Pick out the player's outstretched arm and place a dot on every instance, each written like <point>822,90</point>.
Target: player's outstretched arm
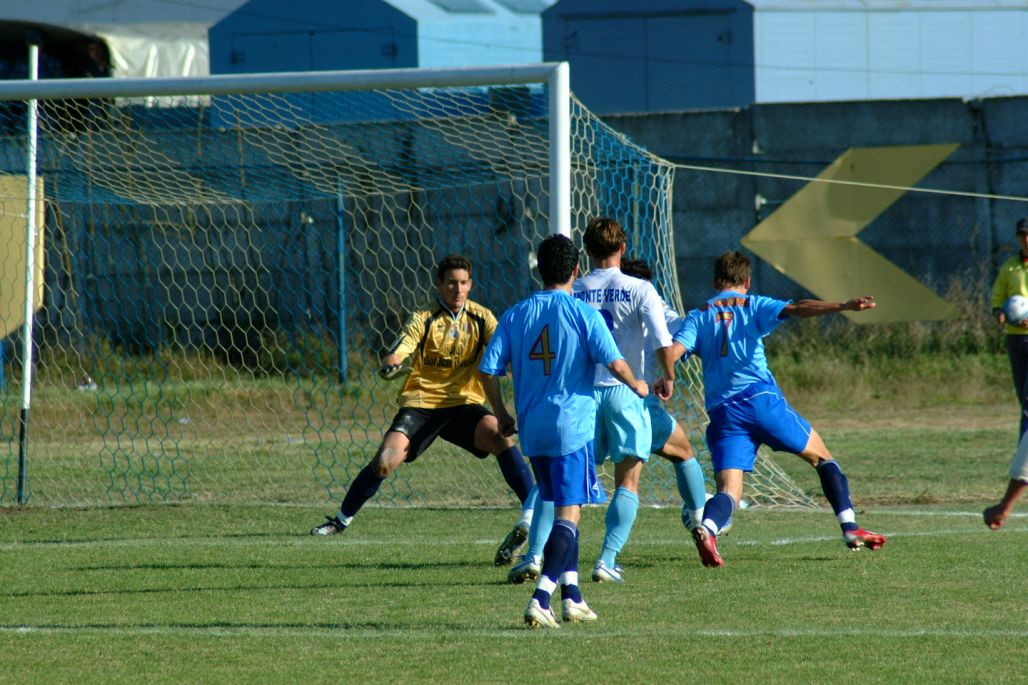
<point>491,385</point>
<point>623,372</point>
<point>665,386</point>
<point>804,309</point>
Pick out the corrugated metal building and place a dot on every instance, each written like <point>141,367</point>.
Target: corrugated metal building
<point>667,55</point>
<point>885,49</point>
<point>262,36</point>
<point>653,55</point>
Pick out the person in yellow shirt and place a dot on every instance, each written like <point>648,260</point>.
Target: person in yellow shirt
<point>1013,280</point>
<point>442,397</point>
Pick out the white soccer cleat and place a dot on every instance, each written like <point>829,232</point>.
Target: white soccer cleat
<point>575,612</point>
<point>537,617</point>
<point>527,568</point>
<point>605,574</point>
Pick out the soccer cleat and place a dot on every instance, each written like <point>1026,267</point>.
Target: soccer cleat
<point>330,527</point>
<point>855,539</point>
<point>686,518</point>
<point>537,617</point>
<point>605,574</point>
<point>527,568</point>
<point>706,545</point>
<point>575,612</point>
<point>511,544</point>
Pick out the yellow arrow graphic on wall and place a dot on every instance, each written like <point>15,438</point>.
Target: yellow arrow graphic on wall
<point>812,237</point>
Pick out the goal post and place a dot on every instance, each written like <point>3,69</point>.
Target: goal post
<point>228,257</point>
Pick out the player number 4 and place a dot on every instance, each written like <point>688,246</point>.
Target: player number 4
<point>541,350</point>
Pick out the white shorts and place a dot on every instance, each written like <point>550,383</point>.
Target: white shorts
<point>622,424</point>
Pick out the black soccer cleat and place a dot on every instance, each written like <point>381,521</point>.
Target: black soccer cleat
<point>330,527</point>
<point>511,544</point>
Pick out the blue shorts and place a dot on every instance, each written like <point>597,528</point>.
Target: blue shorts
<point>622,424</point>
<point>662,423</point>
<point>569,479</point>
<point>758,415</point>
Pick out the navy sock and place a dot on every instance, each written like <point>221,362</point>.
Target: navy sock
<point>572,591</point>
<point>363,488</point>
<point>834,485</point>
<point>718,511</point>
<point>836,488</point>
<point>562,541</point>
<point>515,472</point>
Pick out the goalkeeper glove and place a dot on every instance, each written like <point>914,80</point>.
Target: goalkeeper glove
<point>391,371</point>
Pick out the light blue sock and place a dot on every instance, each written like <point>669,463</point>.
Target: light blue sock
<point>542,524</point>
<point>620,518</point>
<point>528,506</point>
<point>691,485</point>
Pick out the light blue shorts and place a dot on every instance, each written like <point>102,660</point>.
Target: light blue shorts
<point>758,415</point>
<point>662,423</point>
<point>569,479</point>
<point>622,424</point>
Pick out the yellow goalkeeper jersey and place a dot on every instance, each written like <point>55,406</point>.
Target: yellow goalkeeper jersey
<point>445,350</point>
<point>1012,279</point>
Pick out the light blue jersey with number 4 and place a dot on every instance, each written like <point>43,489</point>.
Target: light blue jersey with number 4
<point>552,342</point>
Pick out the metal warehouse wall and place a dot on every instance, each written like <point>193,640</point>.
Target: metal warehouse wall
<point>941,240</point>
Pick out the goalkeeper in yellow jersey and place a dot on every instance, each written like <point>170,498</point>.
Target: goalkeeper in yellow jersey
<point>442,397</point>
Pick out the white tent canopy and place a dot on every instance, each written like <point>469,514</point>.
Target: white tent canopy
<point>145,37</point>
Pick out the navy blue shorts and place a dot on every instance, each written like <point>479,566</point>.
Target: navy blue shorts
<point>453,424</point>
<point>756,416</point>
<point>569,479</point>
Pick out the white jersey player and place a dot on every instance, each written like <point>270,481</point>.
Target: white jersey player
<point>635,314</point>
<point>668,438</point>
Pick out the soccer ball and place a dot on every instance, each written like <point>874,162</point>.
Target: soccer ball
<point>1016,308</point>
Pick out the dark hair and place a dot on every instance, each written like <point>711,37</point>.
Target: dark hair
<point>558,258</point>
<point>731,268</point>
<point>1022,225</point>
<point>637,267</point>
<point>449,263</point>
<point>603,237</point>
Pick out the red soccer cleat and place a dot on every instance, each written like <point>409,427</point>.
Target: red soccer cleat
<point>855,539</point>
<point>706,545</point>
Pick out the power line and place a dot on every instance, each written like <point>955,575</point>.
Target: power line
<point>862,184</point>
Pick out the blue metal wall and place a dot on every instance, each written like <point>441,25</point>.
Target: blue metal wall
<point>269,36</point>
<point>653,55</point>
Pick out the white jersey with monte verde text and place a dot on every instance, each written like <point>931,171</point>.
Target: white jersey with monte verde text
<point>674,321</point>
<point>634,313</point>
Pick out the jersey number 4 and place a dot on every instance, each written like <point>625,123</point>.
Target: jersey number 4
<point>541,350</point>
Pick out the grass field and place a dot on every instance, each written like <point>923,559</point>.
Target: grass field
<point>242,594</point>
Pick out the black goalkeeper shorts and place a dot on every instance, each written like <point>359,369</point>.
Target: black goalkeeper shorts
<point>453,424</point>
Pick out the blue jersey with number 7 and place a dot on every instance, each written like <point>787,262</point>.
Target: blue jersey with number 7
<point>727,334</point>
<point>552,342</point>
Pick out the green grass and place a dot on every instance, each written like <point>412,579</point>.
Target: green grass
<point>239,595</point>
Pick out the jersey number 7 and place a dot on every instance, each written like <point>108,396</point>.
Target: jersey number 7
<point>725,318</point>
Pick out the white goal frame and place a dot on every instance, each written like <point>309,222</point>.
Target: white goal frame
<point>553,74</point>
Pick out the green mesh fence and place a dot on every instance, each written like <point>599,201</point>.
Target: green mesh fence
<point>222,273</point>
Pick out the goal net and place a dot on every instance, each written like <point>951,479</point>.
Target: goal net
<point>224,261</point>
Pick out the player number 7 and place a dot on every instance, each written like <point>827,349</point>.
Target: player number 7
<point>725,318</point>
